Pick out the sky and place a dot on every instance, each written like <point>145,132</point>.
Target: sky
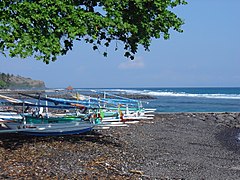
<point>206,54</point>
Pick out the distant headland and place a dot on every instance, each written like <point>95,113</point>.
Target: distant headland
<point>10,81</point>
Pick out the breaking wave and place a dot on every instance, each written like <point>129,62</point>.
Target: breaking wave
<point>181,94</point>
<point>216,96</point>
<point>210,93</point>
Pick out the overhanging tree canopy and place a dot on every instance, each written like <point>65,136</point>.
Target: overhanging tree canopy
<point>46,29</point>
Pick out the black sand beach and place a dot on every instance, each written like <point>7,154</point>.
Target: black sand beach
<point>172,146</point>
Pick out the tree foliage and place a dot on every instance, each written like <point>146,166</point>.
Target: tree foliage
<point>3,85</point>
<point>4,80</point>
<point>46,29</point>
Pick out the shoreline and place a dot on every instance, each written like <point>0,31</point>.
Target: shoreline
<point>171,146</point>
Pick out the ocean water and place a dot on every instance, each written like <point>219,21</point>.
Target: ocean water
<point>185,99</point>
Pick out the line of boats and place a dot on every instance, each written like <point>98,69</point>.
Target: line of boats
<point>41,115</point>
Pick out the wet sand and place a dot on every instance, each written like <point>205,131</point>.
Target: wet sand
<point>172,146</point>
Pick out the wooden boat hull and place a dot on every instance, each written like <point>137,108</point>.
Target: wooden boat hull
<point>55,129</point>
<point>41,120</point>
<point>57,132</point>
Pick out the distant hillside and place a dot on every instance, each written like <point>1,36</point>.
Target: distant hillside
<point>18,82</point>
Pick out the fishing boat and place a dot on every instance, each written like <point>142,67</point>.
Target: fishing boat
<point>49,129</point>
<point>40,123</point>
<point>88,113</point>
<point>118,108</point>
<point>49,119</point>
<point>9,115</point>
<point>37,125</point>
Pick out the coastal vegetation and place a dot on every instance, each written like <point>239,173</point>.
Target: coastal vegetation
<point>10,81</point>
<point>47,29</point>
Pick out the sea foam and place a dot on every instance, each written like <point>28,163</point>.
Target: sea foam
<point>180,94</point>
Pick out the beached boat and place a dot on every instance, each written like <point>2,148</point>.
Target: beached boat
<point>105,105</point>
<point>93,113</point>
<point>50,129</point>
<point>9,115</point>
<point>49,119</point>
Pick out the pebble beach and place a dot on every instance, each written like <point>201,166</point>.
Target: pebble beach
<point>171,146</point>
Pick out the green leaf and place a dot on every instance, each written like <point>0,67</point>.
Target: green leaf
<point>105,54</point>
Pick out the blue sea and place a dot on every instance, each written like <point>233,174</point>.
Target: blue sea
<point>185,99</point>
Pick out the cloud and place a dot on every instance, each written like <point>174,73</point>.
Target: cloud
<point>137,63</point>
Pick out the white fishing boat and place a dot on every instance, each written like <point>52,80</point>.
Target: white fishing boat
<point>8,115</point>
